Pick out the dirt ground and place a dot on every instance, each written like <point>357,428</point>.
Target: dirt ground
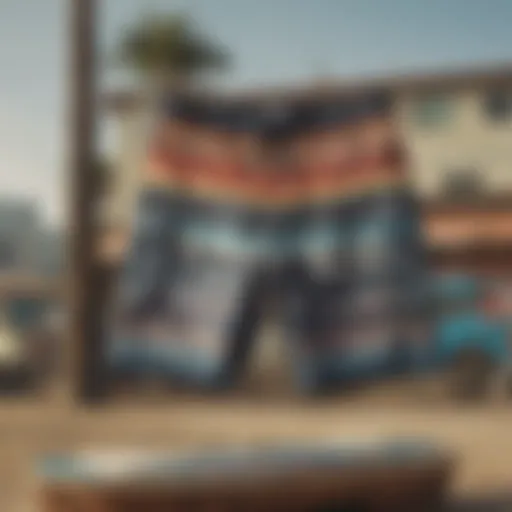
<point>479,436</point>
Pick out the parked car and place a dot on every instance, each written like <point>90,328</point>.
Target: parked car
<point>27,342</point>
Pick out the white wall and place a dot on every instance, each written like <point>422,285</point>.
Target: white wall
<point>468,139</point>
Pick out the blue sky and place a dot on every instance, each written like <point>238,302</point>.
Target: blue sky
<point>272,41</point>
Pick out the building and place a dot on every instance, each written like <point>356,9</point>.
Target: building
<point>27,245</point>
<point>458,130</point>
<point>50,258</point>
<point>18,232</point>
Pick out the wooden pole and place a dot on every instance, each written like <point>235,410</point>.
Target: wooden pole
<point>85,337</point>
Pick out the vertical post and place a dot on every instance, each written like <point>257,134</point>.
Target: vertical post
<point>85,336</point>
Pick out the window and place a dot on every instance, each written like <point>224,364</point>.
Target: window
<point>463,183</point>
<point>498,105</point>
<point>432,110</point>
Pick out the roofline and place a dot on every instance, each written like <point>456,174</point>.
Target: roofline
<point>493,75</point>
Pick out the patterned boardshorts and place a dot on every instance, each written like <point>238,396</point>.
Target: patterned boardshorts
<point>306,207</point>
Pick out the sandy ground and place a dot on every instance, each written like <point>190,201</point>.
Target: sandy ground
<point>480,436</point>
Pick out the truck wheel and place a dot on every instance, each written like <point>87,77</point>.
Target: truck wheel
<point>470,376</point>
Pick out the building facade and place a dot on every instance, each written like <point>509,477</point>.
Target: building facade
<point>28,245</point>
<point>18,233</point>
<point>459,140</point>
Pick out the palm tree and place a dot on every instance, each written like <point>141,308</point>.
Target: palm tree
<point>167,50</point>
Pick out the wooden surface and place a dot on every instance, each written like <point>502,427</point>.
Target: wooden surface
<point>479,435</point>
<point>373,475</point>
<point>408,489</point>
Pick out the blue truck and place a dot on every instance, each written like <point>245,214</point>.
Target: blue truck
<point>471,334</point>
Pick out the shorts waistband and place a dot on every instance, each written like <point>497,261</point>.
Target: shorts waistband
<point>287,163</point>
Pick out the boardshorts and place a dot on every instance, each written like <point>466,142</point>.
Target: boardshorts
<point>301,204</point>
